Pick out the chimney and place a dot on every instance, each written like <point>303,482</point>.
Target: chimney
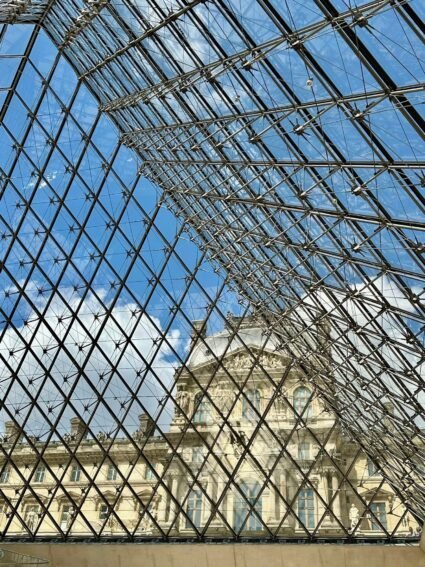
<point>198,331</point>
<point>12,431</point>
<point>232,321</point>
<point>78,429</point>
<point>389,414</point>
<point>324,329</point>
<point>146,425</point>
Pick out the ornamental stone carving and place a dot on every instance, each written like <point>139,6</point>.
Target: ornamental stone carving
<point>240,361</point>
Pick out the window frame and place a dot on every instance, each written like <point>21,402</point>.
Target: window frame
<point>194,508</point>
<point>202,409</point>
<point>5,475</point>
<point>40,473</point>
<point>246,519</point>
<point>68,513</point>
<point>75,473</point>
<point>304,451</point>
<point>306,508</point>
<point>305,410</point>
<point>112,472</point>
<point>253,395</point>
<point>379,511</point>
<point>150,472</point>
<point>103,511</point>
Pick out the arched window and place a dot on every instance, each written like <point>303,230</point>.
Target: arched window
<point>194,509</point>
<point>301,400</point>
<point>249,402</point>
<point>306,507</point>
<point>202,409</point>
<point>245,518</point>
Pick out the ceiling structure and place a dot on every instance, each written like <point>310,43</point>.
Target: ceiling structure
<point>269,161</point>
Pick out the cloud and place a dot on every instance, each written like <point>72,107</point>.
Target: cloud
<point>87,365</point>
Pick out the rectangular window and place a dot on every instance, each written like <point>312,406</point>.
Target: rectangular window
<point>245,519</point>
<point>202,409</point>
<point>197,455</point>
<point>306,507</point>
<point>149,473</point>
<point>250,403</point>
<point>372,469</point>
<point>303,451</point>
<point>103,511</point>
<point>112,473</point>
<point>75,473</point>
<point>40,473</point>
<point>379,512</point>
<point>5,474</point>
<point>65,516</point>
<point>194,509</point>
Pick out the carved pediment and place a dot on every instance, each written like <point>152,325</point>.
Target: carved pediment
<point>245,361</point>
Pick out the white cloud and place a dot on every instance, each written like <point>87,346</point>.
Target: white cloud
<point>80,371</point>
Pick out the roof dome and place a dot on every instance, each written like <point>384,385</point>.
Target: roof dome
<point>250,335</point>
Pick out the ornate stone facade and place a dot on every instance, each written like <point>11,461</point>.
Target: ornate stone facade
<point>272,459</point>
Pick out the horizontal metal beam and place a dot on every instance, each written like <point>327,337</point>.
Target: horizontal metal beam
<point>127,137</point>
<point>211,71</point>
<point>361,164</point>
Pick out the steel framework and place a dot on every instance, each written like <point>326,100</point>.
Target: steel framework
<point>286,141</point>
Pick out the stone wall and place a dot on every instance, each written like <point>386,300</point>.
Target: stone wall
<point>231,555</point>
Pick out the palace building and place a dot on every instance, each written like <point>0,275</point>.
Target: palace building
<point>275,458</point>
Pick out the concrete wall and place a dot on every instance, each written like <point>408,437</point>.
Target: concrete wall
<point>185,555</point>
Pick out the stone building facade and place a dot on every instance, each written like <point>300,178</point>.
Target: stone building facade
<point>271,461</point>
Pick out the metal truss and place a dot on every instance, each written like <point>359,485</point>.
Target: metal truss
<point>208,156</point>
